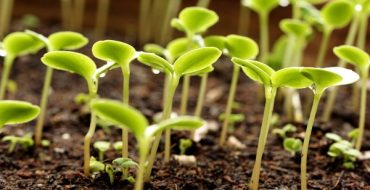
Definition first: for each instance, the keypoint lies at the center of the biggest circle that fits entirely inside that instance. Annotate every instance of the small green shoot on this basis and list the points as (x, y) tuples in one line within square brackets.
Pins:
[(282, 133), (102, 147), (117, 146), (25, 142), (96, 166), (184, 145), (292, 145)]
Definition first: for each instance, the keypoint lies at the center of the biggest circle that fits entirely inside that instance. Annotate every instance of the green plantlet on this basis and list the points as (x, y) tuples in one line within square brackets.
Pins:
[(124, 164), (16, 44), (271, 80), (117, 146), (334, 137), (16, 112), (102, 147), (361, 60), (234, 118), (184, 145), (128, 117), (354, 134), (64, 40), (292, 145), (334, 76), (25, 142), (282, 133), (187, 64)]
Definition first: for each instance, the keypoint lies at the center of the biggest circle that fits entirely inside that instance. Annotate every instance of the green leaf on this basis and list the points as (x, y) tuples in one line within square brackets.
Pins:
[(216, 41), (21, 43), (292, 144), (15, 112), (178, 47), (70, 62), (67, 40), (348, 76), (353, 55), (321, 78), (295, 27), (333, 136), (311, 14), (155, 62), (290, 77), (197, 19), (255, 70), (241, 47), (96, 166), (114, 51), (337, 14), (178, 123), (125, 163), (203, 71), (261, 6), (122, 115), (154, 48), (102, 145), (196, 60)]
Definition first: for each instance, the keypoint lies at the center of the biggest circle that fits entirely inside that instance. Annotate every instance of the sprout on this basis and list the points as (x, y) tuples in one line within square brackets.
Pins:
[(184, 145), (334, 76), (16, 44), (58, 41), (289, 128), (117, 146), (361, 60), (25, 142), (101, 146), (128, 117), (96, 166), (292, 145)]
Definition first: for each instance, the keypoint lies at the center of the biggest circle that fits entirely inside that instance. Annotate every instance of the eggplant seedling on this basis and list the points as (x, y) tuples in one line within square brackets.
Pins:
[(361, 60), (102, 147), (16, 44), (292, 145), (128, 117), (25, 142), (334, 76), (271, 80), (58, 41), (187, 64)]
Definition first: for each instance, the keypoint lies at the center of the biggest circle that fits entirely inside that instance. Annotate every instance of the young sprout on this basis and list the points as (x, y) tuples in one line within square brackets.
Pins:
[(334, 76), (128, 117), (96, 166), (292, 145), (361, 60), (187, 64), (193, 21), (102, 147), (82, 65), (233, 118), (282, 133), (58, 41), (271, 80), (25, 142), (16, 112), (16, 44), (117, 146), (243, 48), (184, 145), (263, 9), (125, 164), (335, 15)]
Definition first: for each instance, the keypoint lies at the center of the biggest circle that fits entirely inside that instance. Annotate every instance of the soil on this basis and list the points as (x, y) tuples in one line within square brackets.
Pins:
[(59, 166)]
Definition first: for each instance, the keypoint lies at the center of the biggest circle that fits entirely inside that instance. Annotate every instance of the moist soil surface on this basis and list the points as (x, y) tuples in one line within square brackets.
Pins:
[(59, 166)]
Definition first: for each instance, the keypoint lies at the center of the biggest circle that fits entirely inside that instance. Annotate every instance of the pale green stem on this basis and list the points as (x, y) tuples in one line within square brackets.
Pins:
[(328, 108), (264, 36), (306, 141), (296, 10), (267, 113), (139, 181), (174, 80), (165, 90), (167, 20), (323, 48), (126, 98), (244, 20), (101, 18), (203, 3), (5, 15), (66, 6), (12, 145), (8, 63), (144, 27), (361, 124), (184, 94), (200, 100), (43, 105), (79, 8), (230, 101)]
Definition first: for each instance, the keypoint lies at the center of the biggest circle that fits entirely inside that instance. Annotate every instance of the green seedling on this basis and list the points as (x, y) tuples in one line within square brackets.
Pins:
[(187, 64), (193, 21), (344, 149), (184, 145), (82, 65), (334, 76), (102, 147), (354, 134), (58, 41), (234, 118), (16, 112), (361, 60), (335, 15), (263, 9), (271, 80), (243, 48), (124, 164), (128, 117), (25, 142), (16, 44), (282, 133), (292, 145), (96, 166)]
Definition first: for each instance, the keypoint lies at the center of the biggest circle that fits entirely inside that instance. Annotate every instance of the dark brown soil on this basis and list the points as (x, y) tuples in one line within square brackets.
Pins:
[(60, 165)]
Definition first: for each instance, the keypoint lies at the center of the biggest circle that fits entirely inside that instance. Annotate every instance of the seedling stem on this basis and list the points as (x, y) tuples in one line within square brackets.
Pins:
[(8, 62)]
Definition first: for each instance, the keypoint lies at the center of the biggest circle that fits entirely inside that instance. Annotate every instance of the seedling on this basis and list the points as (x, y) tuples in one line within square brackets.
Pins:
[(25, 142), (334, 76), (184, 145), (117, 146), (292, 145), (16, 44), (124, 164), (57, 41), (361, 60), (128, 117), (102, 147), (271, 80), (282, 133), (10, 112), (234, 118), (187, 64)]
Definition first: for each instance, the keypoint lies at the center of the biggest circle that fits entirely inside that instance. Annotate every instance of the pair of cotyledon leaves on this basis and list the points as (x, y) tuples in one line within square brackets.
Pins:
[(353, 55)]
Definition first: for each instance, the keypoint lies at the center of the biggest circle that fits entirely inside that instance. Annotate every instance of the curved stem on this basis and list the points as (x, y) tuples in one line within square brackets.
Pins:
[(200, 100), (87, 142), (306, 141), (361, 124), (264, 36), (230, 101), (323, 48), (184, 94), (43, 104), (8, 63), (269, 106)]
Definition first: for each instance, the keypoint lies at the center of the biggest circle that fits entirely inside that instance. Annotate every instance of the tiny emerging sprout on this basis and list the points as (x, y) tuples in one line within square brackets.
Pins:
[(128, 117), (102, 147), (282, 133), (125, 163), (184, 145), (117, 146), (25, 142), (96, 166), (361, 60), (292, 145)]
